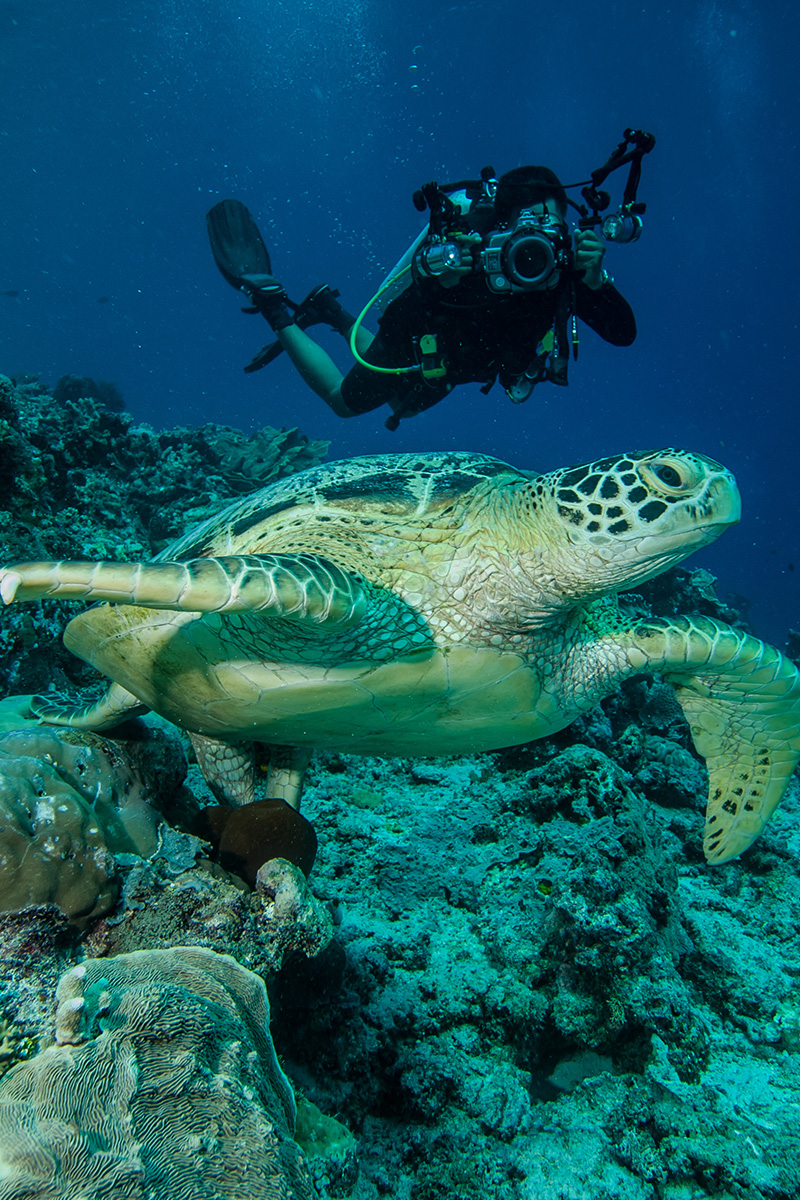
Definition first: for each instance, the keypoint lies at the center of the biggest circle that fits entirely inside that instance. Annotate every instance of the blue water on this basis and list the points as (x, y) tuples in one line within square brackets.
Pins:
[(121, 123)]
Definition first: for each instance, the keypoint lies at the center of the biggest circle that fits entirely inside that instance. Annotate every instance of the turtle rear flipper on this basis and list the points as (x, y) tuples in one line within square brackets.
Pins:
[(741, 698), (229, 769), (296, 587), (115, 706)]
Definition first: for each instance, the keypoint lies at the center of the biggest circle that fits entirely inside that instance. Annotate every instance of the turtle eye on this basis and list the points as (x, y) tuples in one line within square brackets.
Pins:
[(668, 475)]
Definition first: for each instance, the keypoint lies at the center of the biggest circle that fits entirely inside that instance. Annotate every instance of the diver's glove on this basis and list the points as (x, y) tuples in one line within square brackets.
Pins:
[(269, 298)]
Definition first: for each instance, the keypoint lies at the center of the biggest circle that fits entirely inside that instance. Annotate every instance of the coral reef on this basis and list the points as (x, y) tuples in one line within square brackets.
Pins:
[(161, 1079), (36, 945), (512, 975), (538, 996)]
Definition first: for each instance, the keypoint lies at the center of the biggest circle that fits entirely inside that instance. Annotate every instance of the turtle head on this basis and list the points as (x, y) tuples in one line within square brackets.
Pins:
[(620, 521)]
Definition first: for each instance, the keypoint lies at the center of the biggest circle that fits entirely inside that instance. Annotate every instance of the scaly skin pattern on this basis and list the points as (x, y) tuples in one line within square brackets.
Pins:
[(300, 588), (429, 604)]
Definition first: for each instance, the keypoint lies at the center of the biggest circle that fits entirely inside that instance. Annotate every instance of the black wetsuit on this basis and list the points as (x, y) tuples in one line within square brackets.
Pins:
[(480, 335)]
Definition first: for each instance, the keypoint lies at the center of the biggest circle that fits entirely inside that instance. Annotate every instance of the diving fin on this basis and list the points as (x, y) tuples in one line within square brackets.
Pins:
[(243, 259), (236, 243), (265, 355)]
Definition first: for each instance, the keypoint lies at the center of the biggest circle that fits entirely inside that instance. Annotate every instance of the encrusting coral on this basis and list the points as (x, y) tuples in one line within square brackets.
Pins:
[(202, 906), (160, 1080)]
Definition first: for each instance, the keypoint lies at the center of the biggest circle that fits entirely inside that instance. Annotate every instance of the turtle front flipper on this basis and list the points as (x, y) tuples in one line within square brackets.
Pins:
[(115, 706), (298, 587), (741, 698)]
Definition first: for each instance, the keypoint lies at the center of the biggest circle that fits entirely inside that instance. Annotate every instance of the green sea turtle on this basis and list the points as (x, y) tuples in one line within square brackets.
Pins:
[(430, 604)]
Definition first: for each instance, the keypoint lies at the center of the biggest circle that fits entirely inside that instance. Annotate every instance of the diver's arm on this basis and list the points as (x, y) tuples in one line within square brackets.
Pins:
[(606, 312)]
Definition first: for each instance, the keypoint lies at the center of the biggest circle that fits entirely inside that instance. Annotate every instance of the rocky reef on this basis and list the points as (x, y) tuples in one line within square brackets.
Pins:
[(545, 992), (508, 977)]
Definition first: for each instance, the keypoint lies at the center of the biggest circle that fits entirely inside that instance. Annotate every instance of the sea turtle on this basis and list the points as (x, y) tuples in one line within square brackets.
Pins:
[(430, 604)]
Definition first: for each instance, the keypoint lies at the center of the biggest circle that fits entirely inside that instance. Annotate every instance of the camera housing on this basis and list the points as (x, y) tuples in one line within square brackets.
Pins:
[(529, 256)]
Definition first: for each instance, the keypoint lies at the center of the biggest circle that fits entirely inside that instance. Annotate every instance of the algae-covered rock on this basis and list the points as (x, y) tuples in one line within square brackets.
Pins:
[(329, 1147)]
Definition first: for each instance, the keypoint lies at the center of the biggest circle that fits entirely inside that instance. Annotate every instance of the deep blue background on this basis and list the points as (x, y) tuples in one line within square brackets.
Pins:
[(121, 123)]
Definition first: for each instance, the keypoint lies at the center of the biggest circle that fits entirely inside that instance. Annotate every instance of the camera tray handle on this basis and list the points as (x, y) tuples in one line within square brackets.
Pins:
[(443, 210), (641, 143)]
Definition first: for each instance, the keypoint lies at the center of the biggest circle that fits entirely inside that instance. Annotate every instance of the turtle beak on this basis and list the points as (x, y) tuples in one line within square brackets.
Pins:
[(724, 498), (719, 508), (716, 510)]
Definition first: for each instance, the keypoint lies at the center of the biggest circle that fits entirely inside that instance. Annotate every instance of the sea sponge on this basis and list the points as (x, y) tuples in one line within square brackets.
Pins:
[(161, 1080), (69, 801), (244, 838)]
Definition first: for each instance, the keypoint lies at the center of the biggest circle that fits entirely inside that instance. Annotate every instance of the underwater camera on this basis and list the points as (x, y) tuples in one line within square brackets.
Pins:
[(528, 257), (536, 250)]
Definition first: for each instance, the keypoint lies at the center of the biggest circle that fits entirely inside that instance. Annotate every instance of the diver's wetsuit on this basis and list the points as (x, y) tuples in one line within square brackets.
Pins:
[(480, 335)]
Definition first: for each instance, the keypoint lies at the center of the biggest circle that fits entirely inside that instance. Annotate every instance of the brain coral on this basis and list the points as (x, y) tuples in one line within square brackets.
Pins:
[(68, 803), (161, 1081)]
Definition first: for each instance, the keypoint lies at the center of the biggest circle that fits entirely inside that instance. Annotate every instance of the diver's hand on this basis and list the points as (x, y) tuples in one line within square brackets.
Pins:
[(589, 253)]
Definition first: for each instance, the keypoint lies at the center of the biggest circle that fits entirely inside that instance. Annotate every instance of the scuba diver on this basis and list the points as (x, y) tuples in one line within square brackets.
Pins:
[(490, 291)]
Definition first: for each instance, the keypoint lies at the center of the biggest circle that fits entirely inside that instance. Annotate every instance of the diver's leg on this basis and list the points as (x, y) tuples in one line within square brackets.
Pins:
[(315, 366), (321, 306), (364, 339)]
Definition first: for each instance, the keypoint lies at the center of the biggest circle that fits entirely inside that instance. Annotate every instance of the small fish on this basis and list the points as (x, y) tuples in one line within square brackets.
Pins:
[(103, 300), (11, 293)]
